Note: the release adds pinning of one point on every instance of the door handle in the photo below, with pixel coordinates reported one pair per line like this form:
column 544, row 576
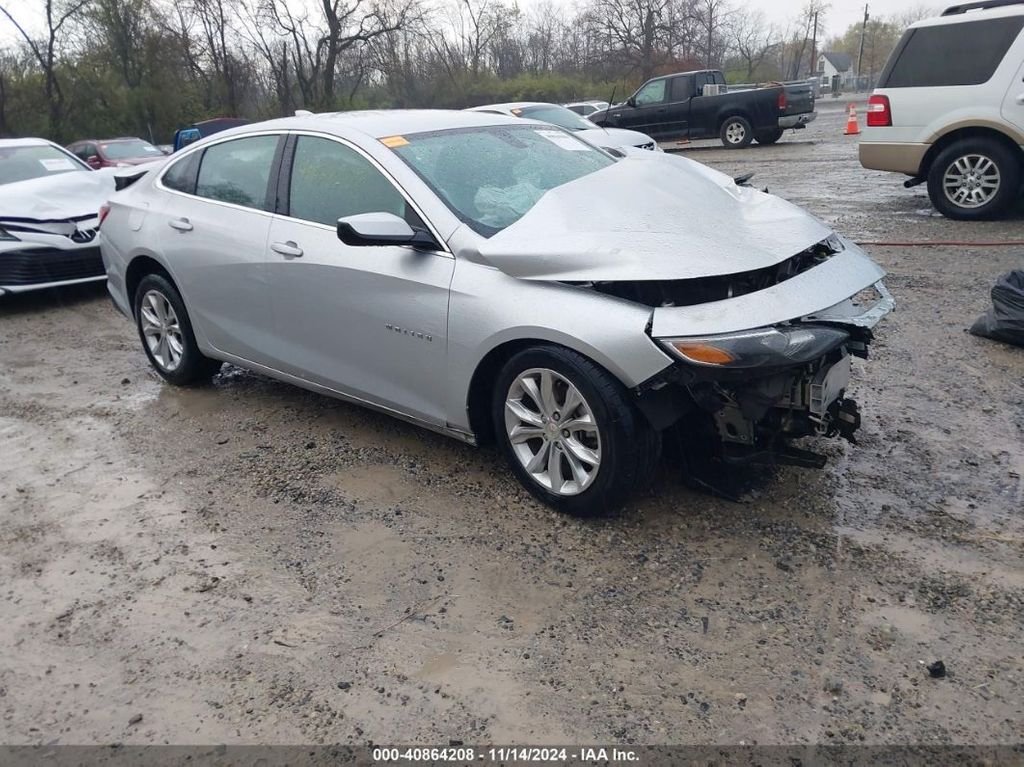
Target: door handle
column 181, row 224
column 287, row 249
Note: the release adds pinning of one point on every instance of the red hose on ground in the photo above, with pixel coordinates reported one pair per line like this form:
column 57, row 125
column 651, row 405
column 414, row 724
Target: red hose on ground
column 946, row 243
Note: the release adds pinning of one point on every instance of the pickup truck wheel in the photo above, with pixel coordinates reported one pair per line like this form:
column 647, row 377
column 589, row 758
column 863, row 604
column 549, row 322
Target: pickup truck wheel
column 569, row 431
column 769, row 137
column 736, row 132
column 974, row 179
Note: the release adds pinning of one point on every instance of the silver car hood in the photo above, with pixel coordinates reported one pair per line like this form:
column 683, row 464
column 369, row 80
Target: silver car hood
column 614, row 137
column 651, row 218
column 59, row 198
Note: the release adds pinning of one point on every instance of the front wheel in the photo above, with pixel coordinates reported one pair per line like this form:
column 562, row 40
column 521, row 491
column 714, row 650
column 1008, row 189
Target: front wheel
column 736, row 132
column 569, row 432
column 166, row 333
column 974, row 179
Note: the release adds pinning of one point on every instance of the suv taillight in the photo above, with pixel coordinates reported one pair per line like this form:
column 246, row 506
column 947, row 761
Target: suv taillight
column 879, row 115
column 104, row 212
column 782, row 99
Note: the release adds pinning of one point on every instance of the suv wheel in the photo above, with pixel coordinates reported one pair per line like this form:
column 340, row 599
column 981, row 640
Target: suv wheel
column 166, row 333
column 736, row 132
column 974, row 179
column 570, row 433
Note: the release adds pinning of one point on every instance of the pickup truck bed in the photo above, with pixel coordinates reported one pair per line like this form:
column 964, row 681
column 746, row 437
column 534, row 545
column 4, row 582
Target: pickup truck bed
column 699, row 105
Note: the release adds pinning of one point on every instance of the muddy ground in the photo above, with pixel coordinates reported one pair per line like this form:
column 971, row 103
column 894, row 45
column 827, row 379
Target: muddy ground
column 249, row 562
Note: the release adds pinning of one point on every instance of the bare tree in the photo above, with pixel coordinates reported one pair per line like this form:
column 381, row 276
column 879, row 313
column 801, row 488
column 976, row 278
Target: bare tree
column 753, row 39
column 45, row 52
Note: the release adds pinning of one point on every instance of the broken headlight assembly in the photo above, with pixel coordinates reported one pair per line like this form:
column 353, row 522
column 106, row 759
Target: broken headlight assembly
column 759, row 348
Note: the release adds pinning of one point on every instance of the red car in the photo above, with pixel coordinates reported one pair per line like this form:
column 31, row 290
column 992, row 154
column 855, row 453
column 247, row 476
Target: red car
column 115, row 152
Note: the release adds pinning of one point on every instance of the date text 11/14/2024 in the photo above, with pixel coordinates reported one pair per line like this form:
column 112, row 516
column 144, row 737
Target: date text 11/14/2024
column 502, row 754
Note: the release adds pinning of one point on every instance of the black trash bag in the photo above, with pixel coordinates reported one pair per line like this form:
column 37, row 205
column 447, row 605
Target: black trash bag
column 1005, row 320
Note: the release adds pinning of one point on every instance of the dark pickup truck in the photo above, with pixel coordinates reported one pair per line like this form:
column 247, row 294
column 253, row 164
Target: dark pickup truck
column 700, row 105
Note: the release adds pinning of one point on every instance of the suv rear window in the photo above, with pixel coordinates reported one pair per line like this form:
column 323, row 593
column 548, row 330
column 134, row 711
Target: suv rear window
column 955, row 54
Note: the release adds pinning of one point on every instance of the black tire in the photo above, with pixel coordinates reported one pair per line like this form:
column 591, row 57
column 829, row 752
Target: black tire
column 739, row 128
column 629, row 446
column 1007, row 163
column 192, row 367
column 767, row 138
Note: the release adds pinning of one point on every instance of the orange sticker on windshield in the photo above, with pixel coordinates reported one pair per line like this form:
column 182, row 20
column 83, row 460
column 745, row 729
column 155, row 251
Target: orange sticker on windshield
column 393, row 142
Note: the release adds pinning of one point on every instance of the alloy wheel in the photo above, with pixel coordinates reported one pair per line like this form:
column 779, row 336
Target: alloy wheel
column 971, row 181
column 552, row 430
column 735, row 133
column 162, row 331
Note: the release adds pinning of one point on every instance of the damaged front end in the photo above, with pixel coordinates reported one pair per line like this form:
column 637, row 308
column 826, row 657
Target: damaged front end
column 761, row 388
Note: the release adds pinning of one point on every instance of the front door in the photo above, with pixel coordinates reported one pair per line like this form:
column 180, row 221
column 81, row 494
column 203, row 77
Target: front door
column 649, row 112
column 371, row 322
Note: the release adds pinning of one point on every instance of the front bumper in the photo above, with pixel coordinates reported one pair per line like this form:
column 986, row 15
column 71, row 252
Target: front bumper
column 752, row 414
column 797, row 121
column 37, row 267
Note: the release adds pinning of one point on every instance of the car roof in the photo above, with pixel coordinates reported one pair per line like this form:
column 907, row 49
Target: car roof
column 12, row 142
column 971, row 14
column 377, row 123
column 508, row 107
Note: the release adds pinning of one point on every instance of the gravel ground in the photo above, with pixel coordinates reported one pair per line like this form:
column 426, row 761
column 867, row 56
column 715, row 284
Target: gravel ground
column 249, row 562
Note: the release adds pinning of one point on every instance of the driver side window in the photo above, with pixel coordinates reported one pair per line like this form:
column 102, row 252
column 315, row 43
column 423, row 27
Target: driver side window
column 652, row 93
column 330, row 180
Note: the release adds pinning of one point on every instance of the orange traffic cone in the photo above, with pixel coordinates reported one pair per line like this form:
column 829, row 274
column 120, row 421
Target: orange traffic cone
column 852, row 128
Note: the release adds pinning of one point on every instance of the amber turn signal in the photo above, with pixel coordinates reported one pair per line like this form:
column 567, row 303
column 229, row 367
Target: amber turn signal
column 705, row 353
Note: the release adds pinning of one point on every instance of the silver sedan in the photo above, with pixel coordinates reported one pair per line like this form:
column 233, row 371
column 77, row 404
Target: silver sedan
column 495, row 278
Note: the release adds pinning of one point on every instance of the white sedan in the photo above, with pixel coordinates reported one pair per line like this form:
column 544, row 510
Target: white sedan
column 606, row 138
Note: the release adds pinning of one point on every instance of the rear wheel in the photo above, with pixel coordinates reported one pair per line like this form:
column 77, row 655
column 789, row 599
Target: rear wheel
column 570, row 433
column 974, row 179
column 736, row 132
column 769, row 136
column 166, row 333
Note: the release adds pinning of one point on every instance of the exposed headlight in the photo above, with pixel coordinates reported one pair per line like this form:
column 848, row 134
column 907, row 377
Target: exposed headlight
column 6, row 236
column 764, row 347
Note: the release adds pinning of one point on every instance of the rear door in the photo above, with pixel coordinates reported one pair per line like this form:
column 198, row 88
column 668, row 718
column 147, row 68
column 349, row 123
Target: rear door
column 1013, row 104
column 370, row 322
column 214, row 236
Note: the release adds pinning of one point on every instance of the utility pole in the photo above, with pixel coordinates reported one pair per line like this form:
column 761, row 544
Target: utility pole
column 860, row 56
column 813, row 70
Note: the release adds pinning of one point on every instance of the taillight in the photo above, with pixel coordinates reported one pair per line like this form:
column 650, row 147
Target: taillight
column 879, row 115
column 104, row 212
column 782, row 99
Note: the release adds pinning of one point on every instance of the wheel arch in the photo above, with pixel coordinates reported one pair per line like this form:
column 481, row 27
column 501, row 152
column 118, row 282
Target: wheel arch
column 961, row 134
column 733, row 112
column 139, row 267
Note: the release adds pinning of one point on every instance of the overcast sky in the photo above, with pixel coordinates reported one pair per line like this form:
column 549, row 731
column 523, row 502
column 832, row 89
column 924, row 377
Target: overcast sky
column 841, row 15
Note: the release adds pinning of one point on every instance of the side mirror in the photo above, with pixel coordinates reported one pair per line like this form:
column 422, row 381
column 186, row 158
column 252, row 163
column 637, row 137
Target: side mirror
column 631, row 101
column 93, row 161
column 381, row 228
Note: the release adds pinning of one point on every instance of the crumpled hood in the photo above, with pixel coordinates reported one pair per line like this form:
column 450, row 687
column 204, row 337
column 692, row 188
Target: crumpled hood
column 64, row 196
column 603, row 137
column 651, row 218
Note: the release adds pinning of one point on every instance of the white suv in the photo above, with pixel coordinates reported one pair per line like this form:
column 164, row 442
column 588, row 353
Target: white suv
column 949, row 109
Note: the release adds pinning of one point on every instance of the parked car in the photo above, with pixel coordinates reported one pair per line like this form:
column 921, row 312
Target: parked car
column 586, row 108
column 949, row 109
column 115, row 152
column 49, row 208
column 499, row 279
column 606, row 138
column 699, row 104
column 185, row 136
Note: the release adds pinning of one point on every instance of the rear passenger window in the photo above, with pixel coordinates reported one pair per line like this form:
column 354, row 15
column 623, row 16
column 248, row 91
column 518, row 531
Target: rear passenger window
column 330, row 180
column 955, row 54
column 238, row 171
